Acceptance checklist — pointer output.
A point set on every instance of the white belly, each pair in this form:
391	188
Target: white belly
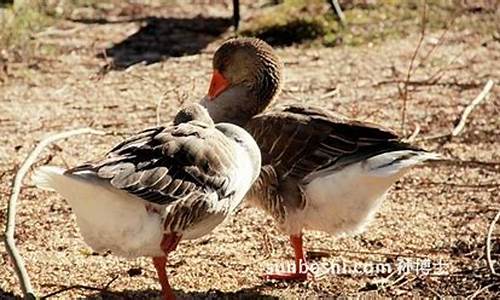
120	223
345	201
110	219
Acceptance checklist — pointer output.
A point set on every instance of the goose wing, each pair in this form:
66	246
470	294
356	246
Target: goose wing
164	164
304	141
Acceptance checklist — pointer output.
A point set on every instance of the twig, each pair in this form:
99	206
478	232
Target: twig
82	287
338	11
329	94
479	291
268	246
413	136
484	93
268	249
58	32
431	82
182	96
490	165
383	283
159	103
236	14
371	253
440	72
158	107
439	296
440	40
145	79
410	68
11	209
437	136
461	122
159	88
404	282
110	282
488	244
292	96
459	185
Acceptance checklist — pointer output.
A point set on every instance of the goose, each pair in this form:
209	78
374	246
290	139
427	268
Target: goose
158	187
320	171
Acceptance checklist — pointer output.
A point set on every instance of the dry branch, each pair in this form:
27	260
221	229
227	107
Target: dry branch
462	185
414	135
329	94
83	287
465	114
11	209
486	165
440	40
484	93
410	67
158	107
479	291
164	93
390	254
488	244
338	11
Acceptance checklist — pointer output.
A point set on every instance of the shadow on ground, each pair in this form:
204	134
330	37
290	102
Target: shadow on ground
4	295
94	294
160	38
247	293
8	295
250	293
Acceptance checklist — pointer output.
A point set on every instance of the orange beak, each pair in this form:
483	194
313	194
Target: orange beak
218	85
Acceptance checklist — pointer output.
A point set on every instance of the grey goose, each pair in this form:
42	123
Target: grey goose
159	186
320	171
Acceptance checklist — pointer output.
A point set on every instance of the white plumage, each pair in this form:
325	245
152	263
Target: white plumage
160	186
108	218
346	200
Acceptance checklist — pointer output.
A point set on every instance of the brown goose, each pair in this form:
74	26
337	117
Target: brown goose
160	186
319	171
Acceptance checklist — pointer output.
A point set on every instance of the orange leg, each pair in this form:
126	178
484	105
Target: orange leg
168	244
300	273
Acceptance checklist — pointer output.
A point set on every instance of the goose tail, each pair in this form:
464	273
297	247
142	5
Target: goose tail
391	163
49	178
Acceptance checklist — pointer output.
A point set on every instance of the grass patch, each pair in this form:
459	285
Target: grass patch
19	22
292	21
296	21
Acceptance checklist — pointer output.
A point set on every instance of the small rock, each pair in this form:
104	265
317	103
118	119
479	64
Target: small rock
134	272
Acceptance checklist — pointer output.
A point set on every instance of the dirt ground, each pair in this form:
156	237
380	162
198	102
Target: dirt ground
90	77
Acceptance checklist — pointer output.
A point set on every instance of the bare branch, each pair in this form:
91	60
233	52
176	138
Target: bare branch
159	103
410	68
460	185
440	40
413	136
461	122
487	165
11	209
484	93
83	287
479	291
438	136
488	244
330	94
338	11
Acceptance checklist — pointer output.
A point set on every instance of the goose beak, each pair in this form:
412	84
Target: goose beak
218	84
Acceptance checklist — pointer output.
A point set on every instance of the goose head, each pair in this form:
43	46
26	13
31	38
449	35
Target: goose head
246	77
193	112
